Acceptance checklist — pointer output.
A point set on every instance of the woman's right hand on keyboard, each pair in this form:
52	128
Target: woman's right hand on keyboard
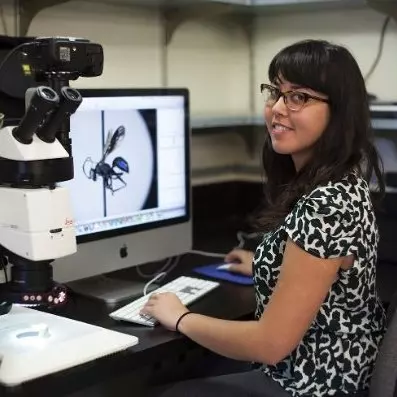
241	261
165	307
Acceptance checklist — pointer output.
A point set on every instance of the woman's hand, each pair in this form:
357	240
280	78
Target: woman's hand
166	307
242	261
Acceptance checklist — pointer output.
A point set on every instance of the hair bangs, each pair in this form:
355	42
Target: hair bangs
304	64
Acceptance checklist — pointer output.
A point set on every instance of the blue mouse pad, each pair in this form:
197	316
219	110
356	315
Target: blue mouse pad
213	272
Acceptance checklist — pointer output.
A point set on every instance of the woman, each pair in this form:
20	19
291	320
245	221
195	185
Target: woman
319	320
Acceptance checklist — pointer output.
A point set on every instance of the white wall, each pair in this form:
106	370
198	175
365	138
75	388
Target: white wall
210	57
358	30
202	55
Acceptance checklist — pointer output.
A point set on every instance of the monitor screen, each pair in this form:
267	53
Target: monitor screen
130	162
131	181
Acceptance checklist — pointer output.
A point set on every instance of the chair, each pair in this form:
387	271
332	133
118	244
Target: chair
383	383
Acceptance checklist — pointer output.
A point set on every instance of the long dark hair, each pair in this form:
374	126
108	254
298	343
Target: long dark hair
346	143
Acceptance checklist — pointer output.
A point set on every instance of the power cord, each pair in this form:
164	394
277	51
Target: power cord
167	267
10	53
380	49
3	265
206	253
147	285
3	20
172	262
243	236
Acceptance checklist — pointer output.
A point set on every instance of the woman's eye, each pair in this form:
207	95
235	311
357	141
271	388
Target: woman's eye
298	97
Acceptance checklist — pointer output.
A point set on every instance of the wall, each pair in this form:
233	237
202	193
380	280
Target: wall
211	58
358	30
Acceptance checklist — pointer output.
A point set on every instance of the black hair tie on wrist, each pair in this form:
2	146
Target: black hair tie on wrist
180	318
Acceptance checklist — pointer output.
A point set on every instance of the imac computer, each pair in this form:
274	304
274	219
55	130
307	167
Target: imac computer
131	188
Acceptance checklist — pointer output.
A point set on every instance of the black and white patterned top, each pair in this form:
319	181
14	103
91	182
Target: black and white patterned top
337	353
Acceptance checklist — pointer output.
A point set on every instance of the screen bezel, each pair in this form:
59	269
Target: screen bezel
128	92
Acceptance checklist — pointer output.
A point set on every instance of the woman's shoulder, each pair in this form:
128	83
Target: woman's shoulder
351	189
328	221
347	198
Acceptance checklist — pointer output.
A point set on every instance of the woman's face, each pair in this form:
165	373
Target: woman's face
295	132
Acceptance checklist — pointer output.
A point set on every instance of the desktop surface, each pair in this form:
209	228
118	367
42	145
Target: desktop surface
229	301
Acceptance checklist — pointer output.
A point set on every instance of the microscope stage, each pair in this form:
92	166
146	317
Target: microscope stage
35	344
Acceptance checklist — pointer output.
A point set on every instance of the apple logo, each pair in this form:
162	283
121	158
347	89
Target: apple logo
123	251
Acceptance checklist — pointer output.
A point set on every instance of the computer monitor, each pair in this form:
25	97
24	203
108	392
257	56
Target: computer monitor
131	188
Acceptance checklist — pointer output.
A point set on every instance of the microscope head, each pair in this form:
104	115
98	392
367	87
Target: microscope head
53	61
64	56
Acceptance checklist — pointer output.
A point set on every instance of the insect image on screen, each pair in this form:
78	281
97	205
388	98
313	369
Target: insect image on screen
112	174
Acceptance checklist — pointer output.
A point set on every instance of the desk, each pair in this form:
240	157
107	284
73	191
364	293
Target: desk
160	355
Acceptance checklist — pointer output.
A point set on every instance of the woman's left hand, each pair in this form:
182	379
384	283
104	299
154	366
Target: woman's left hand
166	307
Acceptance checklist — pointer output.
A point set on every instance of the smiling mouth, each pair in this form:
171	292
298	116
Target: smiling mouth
278	128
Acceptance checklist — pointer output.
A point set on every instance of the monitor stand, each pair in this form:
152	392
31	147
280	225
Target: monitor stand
109	290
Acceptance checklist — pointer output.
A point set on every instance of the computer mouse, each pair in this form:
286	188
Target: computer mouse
225	266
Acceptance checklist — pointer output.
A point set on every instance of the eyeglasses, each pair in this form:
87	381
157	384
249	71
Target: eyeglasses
294	100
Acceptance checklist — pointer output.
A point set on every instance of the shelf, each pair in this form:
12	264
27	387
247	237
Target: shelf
227	123
388	7
177	11
384	124
28	9
241	173
221	122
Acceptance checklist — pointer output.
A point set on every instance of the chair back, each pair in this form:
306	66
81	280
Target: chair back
383	382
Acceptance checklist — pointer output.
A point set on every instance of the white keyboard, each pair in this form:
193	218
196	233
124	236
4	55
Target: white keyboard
188	290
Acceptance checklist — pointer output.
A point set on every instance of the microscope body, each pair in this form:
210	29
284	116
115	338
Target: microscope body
32	232
36	218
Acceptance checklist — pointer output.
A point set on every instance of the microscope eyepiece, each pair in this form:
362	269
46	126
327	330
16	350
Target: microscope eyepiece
42	104
48	93
72	94
70	100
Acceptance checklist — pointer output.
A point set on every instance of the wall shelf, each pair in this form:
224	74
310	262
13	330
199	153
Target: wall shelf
221	122
383	118
178	11
28	9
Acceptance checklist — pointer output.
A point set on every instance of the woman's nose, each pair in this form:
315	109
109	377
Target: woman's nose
280	107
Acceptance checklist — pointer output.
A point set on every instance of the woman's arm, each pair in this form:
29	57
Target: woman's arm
303	284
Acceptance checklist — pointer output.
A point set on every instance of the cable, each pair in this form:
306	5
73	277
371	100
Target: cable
3	265
172	265
152	281
10	53
206	253
380	49
172	262
3	20
168	262
242	236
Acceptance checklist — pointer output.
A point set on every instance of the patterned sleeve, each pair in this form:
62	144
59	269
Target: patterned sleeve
323	223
